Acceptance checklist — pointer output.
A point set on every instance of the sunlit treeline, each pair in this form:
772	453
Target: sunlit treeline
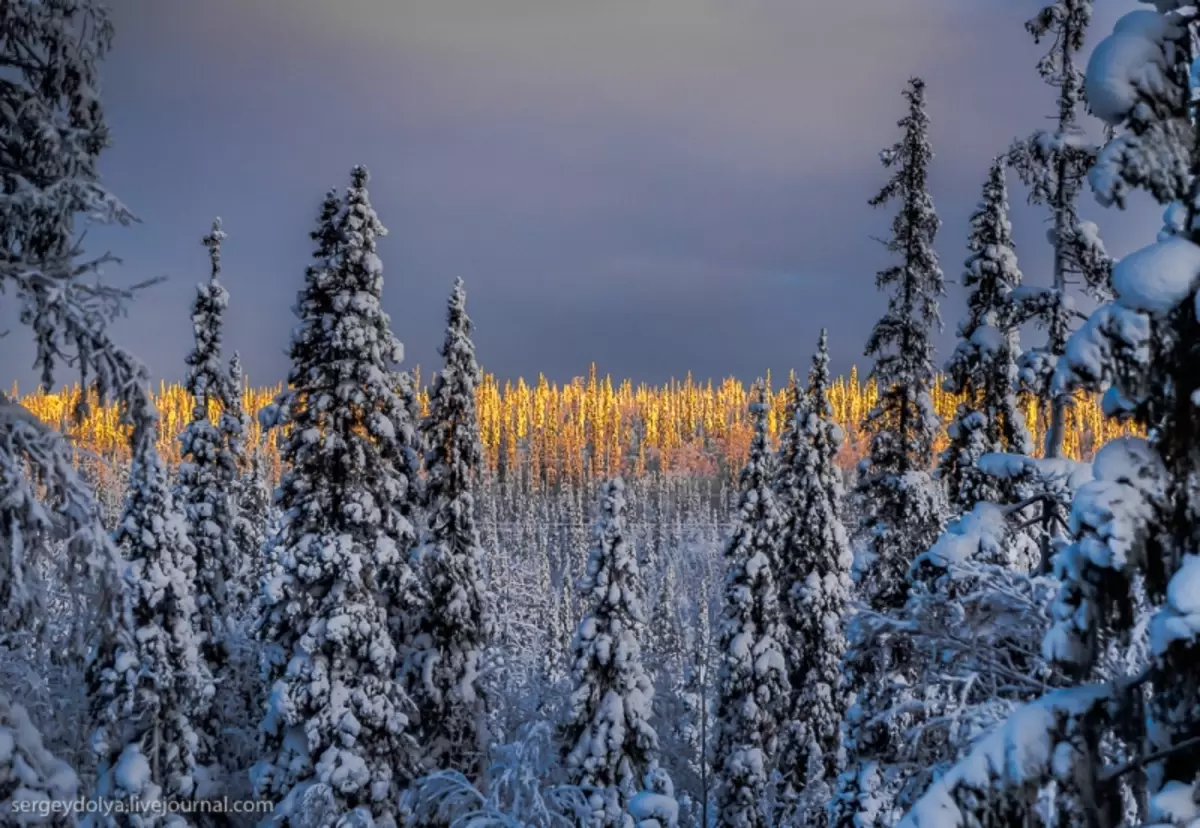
590	427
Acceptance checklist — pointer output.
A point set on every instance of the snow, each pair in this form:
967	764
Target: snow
1158	277
1125	64
988	339
1175	804
132	772
1047	470
29	773
1022	750
646	806
1179	619
980	531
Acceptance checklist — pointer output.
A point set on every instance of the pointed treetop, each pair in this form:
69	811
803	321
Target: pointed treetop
359	176
237	375
360	225
213	242
326	234
818	377
759	411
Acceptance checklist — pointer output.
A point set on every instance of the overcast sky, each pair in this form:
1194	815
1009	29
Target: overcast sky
659	186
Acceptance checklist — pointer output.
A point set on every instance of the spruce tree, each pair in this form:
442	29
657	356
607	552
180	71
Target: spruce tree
147	680
53	132
1054	164
234	424
814	586
1135	524
456	628
337	722
752	683
901	516
901	505
608	739
29	773
255	523
983	367
208	473
52	538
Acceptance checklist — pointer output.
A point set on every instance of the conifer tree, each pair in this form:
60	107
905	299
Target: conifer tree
256	522
900	508
752	683
147	680
565	622
608	739
54	131
1135	524
29	772
337	722
814	585
1054	164
234	424
984	364
664	620
456	628
208	473
694	728
51	530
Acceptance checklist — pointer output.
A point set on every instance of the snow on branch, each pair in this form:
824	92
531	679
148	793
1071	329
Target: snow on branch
1002	774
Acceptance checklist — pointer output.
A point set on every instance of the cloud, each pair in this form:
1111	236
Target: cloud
583	165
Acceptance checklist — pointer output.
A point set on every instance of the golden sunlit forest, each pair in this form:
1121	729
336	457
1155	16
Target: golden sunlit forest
594	425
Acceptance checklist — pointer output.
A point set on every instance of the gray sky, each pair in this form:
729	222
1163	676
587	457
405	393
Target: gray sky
659	186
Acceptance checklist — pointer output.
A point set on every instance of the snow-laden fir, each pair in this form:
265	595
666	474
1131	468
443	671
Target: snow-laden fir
752	682
814	561
209	478
983	366
147	680
455	628
899	500
338	719
608	739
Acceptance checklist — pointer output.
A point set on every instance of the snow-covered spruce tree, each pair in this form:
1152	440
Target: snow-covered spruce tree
984	364
814	563
522	788
251	491
29	774
900	504
608	740
255	523
456	628
1053	164
752	682
234	424
52	539
692	766
147	679
208	472
564	622
664	620
52	132
337	723
406	389
1137	520
898	500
